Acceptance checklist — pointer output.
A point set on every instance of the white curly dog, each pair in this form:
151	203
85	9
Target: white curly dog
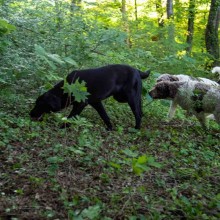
195	97
191	81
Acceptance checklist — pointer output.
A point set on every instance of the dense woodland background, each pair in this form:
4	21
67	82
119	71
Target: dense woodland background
164	171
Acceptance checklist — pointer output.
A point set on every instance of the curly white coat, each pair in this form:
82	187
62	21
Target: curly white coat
195	97
191	81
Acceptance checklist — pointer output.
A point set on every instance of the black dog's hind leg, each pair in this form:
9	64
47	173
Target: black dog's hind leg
101	110
77	109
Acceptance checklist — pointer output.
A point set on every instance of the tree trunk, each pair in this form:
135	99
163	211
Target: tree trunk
211	34
58	15
169	9
159	10
125	21
217	21
75	4
171	26
190	29
136	14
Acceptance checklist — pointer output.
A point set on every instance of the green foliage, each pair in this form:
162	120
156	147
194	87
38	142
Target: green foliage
5	27
92	38
92	212
77	89
53	59
167	170
143	163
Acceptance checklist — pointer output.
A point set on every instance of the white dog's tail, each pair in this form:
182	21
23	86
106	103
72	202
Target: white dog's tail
217	70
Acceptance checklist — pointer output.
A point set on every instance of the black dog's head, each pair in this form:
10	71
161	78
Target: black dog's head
45	103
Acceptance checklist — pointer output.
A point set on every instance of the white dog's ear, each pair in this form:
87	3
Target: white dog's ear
173	88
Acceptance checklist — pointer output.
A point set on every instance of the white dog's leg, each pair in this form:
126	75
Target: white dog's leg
172	110
201	117
217	113
211	116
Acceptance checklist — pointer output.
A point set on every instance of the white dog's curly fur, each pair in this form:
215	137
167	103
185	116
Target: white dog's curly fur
185	78
195	97
191	81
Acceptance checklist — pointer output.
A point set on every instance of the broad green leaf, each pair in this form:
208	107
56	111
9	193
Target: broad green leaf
49	58
130	153
92	212
115	165
139	168
56	58
142	159
2	81
55	159
39	50
77	89
70	61
156	75
5	27
143	164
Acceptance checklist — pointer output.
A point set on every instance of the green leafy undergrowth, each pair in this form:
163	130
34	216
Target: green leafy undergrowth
166	170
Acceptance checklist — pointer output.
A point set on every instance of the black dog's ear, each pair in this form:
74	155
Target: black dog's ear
55	103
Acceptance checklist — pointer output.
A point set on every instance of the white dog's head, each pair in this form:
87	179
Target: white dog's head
167	77
165	90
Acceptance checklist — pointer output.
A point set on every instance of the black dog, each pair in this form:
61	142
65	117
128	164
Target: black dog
120	81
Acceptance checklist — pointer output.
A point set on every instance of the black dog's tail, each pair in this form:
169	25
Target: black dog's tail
144	75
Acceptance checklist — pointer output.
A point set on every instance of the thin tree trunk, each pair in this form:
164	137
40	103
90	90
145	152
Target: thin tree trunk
217	20
211	34
58	15
171	28
159	10
136	14
123	9
190	29
74	5
169	9
125	21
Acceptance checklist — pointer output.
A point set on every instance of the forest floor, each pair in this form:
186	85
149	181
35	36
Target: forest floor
167	170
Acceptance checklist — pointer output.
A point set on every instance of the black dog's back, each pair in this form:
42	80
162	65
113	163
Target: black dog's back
123	82
108	80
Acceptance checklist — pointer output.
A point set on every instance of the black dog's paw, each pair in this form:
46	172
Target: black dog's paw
65	125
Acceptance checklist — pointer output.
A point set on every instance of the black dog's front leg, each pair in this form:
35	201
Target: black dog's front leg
135	105
77	109
101	110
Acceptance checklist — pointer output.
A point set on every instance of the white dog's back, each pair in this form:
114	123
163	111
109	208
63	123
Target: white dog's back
187	78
